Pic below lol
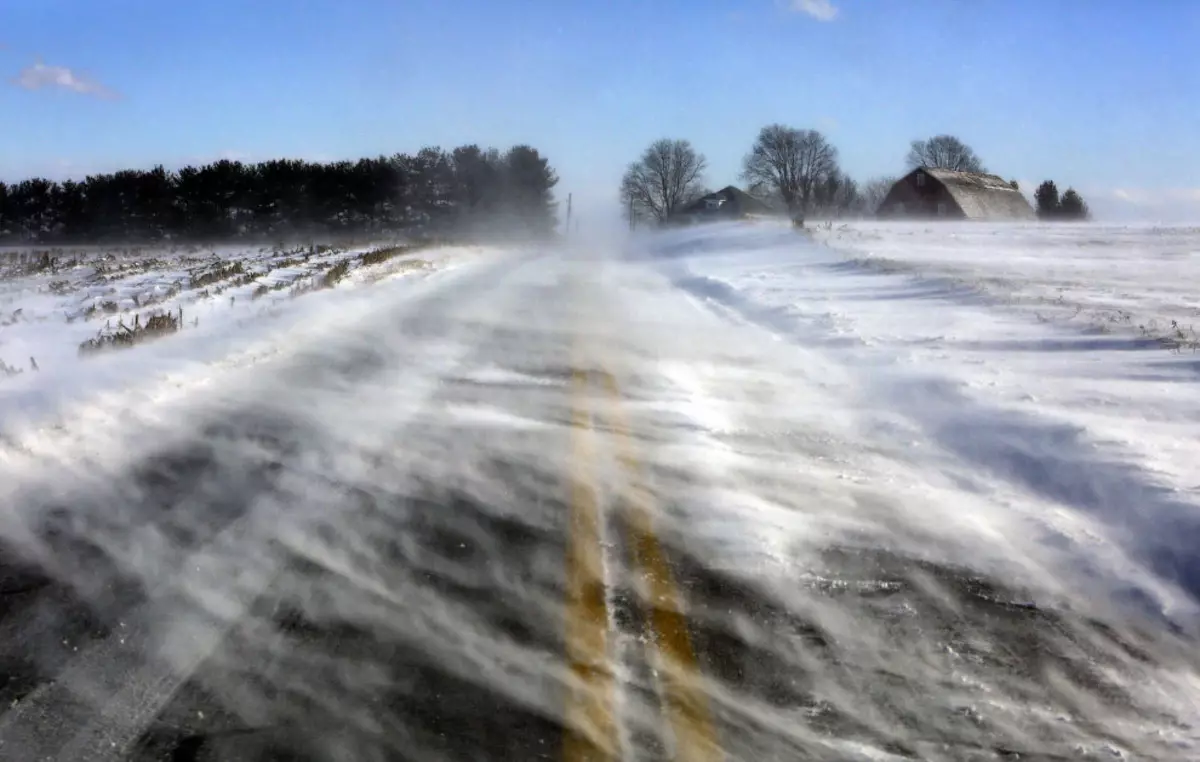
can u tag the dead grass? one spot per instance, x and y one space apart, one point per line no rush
1177 338
287 262
127 337
407 265
381 255
142 301
243 280
306 286
9 371
386 253
264 289
1170 335
43 263
336 273
22 264
214 276
205 278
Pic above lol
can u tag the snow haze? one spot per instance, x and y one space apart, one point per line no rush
927 492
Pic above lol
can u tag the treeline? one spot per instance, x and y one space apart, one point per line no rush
799 171
796 169
464 191
1050 206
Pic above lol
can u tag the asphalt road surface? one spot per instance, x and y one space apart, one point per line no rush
501 515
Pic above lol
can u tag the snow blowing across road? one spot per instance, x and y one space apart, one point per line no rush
1003 362
732 492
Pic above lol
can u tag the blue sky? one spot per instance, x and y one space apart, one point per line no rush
1100 94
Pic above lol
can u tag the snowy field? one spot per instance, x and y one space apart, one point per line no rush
1125 281
918 496
228 305
947 336
920 393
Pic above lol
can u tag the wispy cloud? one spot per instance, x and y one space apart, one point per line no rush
41 76
822 10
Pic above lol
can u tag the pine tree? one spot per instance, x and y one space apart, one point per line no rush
1073 207
1048 206
529 183
229 199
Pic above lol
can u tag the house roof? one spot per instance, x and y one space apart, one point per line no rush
740 200
982 196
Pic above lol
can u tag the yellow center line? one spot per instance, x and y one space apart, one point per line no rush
687 706
590 725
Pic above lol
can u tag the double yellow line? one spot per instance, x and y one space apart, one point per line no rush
591 734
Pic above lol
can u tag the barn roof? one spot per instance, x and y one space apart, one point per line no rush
982 196
742 201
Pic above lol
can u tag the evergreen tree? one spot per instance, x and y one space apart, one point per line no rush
1046 197
70 209
1073 207
468 189
529 183
32 207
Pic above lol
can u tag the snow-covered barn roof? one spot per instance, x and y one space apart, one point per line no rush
982 196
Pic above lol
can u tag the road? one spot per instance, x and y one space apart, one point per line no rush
514 512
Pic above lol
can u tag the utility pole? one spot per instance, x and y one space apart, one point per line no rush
568 225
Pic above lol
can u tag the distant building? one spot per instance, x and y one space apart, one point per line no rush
729 203
933 193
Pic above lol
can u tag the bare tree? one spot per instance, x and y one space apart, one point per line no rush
666 177
944 152
837 195
791 163
875 191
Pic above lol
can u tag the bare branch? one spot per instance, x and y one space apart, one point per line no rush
666 177
944 152
875 191
791 163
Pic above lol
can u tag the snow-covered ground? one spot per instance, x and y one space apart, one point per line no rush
935 340
1129 280
913 510
234 305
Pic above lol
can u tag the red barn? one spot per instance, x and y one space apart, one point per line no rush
942 193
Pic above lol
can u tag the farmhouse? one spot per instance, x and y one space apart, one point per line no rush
729 203
927 192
